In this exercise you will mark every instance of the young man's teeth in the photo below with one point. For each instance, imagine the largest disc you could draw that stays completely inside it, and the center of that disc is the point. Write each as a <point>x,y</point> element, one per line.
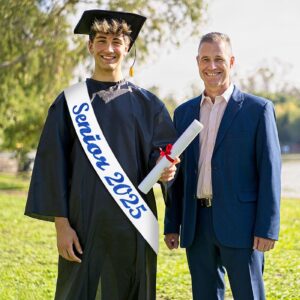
<point>108,57</point>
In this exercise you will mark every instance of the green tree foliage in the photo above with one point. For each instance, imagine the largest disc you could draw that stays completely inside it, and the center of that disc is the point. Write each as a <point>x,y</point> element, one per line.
<point>169,100</point>
<point>288,120</point>
<point>39,53</point>
<point>168,21</point>
<point>36,62</point>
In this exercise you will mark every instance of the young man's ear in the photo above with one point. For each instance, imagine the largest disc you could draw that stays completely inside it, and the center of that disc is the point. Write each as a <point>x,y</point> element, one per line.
<point>126,50</point>
<point>90,46</point>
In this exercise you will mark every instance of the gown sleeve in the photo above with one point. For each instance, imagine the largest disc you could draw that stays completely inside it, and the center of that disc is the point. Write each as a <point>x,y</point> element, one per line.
<point>164,133</point>
<point>48,191</point>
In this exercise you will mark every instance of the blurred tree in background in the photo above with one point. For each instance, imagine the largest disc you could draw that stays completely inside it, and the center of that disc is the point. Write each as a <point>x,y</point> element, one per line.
<point>39,54</point>
<point>266,82</point>
<point>36,62</point>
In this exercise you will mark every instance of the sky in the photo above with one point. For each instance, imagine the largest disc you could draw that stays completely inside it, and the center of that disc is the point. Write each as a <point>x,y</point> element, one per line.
<point>261,32</point>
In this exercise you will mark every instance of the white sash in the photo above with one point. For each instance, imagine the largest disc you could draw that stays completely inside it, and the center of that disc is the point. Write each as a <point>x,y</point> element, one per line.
<point>106,165</point>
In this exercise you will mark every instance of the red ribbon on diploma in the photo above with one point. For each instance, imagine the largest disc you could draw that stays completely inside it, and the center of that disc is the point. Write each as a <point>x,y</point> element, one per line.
<point>167,152</point>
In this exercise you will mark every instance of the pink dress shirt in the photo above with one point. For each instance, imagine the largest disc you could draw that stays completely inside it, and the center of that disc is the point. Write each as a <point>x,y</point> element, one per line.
<point>210,116</point>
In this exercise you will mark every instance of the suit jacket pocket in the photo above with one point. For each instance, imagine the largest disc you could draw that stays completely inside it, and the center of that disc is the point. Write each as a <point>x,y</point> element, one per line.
<point>248,196</point>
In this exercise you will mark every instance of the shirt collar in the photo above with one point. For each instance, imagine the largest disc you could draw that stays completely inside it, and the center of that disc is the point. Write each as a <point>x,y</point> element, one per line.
<point>226,95</point>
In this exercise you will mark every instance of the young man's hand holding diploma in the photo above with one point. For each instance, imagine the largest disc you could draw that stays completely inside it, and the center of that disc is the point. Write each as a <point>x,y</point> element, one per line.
<point>169,172</point>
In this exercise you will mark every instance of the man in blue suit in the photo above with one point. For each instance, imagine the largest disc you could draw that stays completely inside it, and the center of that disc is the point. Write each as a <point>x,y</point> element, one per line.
<point>224,202</point>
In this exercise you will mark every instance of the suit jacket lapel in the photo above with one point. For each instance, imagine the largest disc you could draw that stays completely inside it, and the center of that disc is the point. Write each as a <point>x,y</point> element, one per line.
<point>195,113</point>
<point>233,107</point>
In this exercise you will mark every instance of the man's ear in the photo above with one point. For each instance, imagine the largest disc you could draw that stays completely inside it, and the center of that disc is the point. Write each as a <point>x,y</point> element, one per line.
<point>232,60</point>
<point>197,59</point>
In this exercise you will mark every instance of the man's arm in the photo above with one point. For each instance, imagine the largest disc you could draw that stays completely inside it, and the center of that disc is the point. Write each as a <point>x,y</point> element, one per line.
<point>269,170</point>
<point>173,210</point>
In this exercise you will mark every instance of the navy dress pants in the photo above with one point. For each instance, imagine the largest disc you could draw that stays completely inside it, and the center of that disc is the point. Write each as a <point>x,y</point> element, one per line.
<point>208,260</point>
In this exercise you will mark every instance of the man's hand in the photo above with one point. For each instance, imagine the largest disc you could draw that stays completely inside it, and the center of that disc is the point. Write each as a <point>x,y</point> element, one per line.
<point>172,240</point>
<point>66,239</point>
<point>169,173</point>
<point>262,244</point>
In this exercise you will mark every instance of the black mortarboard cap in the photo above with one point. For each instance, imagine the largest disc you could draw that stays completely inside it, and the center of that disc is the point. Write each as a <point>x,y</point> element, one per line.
<point>88,17</point>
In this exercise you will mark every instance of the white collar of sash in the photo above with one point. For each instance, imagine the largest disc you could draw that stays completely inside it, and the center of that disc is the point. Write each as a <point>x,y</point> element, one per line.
<point>107,166</point>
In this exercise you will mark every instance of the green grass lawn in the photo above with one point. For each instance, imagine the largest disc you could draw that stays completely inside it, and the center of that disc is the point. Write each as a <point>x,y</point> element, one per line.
<point>28,254</point>
<point>11,182</point>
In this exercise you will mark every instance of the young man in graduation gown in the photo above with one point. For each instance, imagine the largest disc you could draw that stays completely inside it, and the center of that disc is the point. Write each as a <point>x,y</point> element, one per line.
<point>102,255</point>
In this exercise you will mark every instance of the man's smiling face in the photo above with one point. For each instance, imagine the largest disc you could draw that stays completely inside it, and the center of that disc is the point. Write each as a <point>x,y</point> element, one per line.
<point>215,62</point>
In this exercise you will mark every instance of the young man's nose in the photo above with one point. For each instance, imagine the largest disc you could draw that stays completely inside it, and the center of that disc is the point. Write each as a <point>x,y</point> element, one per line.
<point>109,47</point>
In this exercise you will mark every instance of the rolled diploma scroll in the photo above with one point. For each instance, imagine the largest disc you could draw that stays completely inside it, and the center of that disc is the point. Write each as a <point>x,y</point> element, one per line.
<point>180,145</point>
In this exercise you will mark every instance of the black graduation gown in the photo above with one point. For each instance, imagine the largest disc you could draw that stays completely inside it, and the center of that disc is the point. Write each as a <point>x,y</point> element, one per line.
<point>117,263</point>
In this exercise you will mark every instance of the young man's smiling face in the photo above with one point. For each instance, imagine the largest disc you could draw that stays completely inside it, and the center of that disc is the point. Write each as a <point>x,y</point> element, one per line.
<point>215,62</point>
<point>108,51</point>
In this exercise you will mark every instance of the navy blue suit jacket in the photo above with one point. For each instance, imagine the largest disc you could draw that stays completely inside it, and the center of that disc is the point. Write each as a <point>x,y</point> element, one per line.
<point>246,166</point>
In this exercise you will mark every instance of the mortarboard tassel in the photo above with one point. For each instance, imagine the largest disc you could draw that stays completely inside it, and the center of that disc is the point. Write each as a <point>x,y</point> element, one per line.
<point>131,70</point>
